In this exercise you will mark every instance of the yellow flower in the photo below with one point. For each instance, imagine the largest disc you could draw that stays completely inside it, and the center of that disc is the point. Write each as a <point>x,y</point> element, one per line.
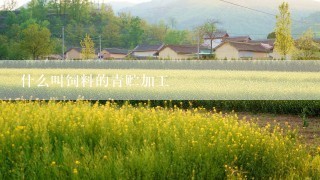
<point>77,162</point>
<point>105,157</point>
<point>53,163</point>
<point>75,171</point>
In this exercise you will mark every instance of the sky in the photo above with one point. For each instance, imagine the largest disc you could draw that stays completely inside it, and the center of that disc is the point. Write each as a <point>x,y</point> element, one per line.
<point>21,2</point>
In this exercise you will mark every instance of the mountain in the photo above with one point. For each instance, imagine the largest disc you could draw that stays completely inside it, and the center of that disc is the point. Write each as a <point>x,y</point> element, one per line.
<point>236,20</point>
<point>117,6</point>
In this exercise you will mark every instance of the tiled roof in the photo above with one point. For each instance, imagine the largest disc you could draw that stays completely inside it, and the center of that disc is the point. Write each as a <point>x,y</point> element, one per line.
<point>116,51</point>
<point>217,34</point>
<point>75,48</point>
<point>238,39</point>
<point>183,49</point>
<point>264,41</point>
<point>145,47</point>
<point>240,46</point>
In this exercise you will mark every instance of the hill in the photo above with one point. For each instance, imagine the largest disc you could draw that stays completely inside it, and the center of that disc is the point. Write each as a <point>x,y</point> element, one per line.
<point>236,20</point>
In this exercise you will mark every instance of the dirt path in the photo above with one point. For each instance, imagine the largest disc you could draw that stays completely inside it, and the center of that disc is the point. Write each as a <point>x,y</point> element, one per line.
<point>310,134</point>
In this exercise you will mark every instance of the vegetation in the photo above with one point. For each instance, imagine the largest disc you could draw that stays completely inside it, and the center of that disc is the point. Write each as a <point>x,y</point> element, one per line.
<point>78,19</point>
<point>64,140</point>
<point>307,48</point>
<point>87,45</point>
<point>284,42</point>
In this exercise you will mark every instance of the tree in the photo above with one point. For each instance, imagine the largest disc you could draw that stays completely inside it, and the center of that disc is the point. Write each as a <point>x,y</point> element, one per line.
<point>208,30</point>
<point>284,42</point>
<point>36,41</point>
<point>87,48</point>
<point>271,35</point>
<point>3,47</point>
<point>307,48</point>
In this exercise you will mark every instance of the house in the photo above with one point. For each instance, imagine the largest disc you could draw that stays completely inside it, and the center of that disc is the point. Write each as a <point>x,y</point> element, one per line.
<point>240,50</point>
<point>178,52</point>
<point>217,39</point>
<point>114,53</point>
<point>238,39</point>
<point>145,51</point>
<point>73,54</point>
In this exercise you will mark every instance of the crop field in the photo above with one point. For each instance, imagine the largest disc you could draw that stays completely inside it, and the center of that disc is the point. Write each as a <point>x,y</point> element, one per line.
<point>81,140</point>
<point>167,84</point>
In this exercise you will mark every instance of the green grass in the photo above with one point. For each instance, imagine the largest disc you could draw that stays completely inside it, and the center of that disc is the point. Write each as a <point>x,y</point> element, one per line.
<point>79,140</point>
<point>182,85</point>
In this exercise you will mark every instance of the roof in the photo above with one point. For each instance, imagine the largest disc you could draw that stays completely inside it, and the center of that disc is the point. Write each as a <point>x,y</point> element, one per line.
<point>240,46</point>
<point>145,47</point>
<point>238,39</point>
<point>183,49</point>
<point>264,41</point>
<point>78,49</point>
<point>117,51</point>
<point>217,35</point>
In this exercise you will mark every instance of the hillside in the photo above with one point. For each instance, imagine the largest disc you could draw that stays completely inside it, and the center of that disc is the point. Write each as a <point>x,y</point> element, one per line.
<point>236,20</point>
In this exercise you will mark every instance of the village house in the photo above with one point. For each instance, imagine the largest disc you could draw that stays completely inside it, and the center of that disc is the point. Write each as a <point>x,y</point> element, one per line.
<point>217,39</point>
<point>146,51</point>
<point>178,52</point>
<point>74,53</point>
<point>114,53</point>
<point>240,50</point>
<point>244,39</point>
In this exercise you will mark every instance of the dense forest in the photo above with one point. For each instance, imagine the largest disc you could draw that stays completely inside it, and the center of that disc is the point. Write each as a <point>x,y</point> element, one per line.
<point>38,29</point>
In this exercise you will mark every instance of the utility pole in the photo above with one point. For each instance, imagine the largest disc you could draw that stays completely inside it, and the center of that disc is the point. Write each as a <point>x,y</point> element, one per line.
<point>198,46</point>
<point>100,47</point>
<point>63,43</point>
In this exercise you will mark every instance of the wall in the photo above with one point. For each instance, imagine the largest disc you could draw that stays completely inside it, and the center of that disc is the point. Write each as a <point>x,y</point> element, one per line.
<point>227,51</point>
<point>145,54</point>
<point>73,54</point>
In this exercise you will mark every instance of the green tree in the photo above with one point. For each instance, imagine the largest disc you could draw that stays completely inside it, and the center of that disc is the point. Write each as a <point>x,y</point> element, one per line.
<point>87,45</point>
<point>36,41</point>
<point>4,47</point>
<point>271,35</point>
<point>307,47</point>
<point>177,37</point>
<point>208,29</point>
<point>284,43</point>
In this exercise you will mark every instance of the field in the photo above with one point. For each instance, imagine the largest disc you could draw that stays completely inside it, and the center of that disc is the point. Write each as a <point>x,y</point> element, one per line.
<point>168,84</point>
<point>80,140</point>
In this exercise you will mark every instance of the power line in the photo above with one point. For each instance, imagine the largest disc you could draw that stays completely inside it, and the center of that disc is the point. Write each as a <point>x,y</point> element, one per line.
<point>267,13</point>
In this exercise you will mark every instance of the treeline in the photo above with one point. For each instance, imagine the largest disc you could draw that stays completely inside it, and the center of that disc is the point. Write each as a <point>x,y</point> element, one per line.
<point>37,30</point>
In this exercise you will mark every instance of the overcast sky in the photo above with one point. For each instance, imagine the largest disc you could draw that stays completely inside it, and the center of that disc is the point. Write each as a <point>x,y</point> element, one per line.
<point>21,2</point>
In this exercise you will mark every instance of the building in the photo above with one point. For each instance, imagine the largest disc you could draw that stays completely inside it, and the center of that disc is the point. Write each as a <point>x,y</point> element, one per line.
<point>73,54</point>
<point>178,52</point>
<point>114,53</point>
<point>217,39</point>
<point>146,51</point>
<point>240,50</point>
<point>244,39</point>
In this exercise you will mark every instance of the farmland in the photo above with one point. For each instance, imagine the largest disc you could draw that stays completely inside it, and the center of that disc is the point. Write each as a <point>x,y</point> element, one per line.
<point>176,85</point>
<point>90,141</point>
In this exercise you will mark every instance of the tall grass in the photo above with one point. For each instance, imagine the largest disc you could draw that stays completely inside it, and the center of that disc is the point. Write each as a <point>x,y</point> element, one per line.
<point>70,140</point>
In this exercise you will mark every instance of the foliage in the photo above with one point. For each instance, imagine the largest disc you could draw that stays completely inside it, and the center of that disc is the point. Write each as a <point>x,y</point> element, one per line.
<point>307,47</point>
<point>284,42</point>
<point>271,35</point>
<point>208,29</point>
<point>81,17</point>
<point>87,45</point>
<point>36,41</point>
<point>79,140</point>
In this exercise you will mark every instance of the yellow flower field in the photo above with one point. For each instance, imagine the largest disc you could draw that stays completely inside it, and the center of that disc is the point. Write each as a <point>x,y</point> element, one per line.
<point>70,140</point>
